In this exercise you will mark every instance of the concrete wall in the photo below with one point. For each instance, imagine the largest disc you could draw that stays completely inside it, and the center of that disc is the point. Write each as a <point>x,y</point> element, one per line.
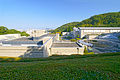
<point>46,47</point>
<point>57,37</point>
<point>31,52</point>
<point>37,33</point>
<point>45,39</point>
<point>91,36</point>
<point>67,51</point>
<point>10,36</point>
<point>84,33</point>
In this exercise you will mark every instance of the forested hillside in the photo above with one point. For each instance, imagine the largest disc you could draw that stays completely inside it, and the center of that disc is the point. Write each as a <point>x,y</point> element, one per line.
<point>67,27</point>
<point>102,20</point>
<point>5,30</point>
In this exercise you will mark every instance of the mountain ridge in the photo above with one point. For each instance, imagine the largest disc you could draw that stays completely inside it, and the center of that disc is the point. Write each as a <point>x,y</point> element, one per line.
<point>102,20</point>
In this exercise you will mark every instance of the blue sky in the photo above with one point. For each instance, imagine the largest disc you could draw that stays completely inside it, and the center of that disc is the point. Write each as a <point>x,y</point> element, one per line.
<point>41,14</point>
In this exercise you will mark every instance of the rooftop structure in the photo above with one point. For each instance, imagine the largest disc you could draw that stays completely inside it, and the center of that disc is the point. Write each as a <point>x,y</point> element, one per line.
<point>27,41</point>
<point>22,42</point>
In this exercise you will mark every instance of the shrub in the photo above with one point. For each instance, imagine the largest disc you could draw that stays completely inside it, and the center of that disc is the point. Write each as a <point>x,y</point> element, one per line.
<point>94,40</point>
<point>78,38</point>
<point>9,59</point>
<point>60,38</point>
<point>68,37</point>
<point>103,34</point>
<point>118,37</point>
<point>84,37</point>
<point>24,34</point>
<point>60,33</point>
<point>73,40</point>
<point>90,53</point>
<point>85,50</point>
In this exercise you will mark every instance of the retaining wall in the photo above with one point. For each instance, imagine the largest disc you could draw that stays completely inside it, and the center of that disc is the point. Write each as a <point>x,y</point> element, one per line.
<point>31,52</point>
<point>66,51</point>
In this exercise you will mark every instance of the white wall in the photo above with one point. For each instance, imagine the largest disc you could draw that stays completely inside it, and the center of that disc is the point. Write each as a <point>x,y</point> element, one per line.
<point>11,51</point>
<point>10,36</point>
<point>67,50</point>
<point>36,32</point>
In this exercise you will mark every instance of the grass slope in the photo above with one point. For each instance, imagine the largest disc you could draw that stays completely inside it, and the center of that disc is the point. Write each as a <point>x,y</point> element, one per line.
<point>75,67</point>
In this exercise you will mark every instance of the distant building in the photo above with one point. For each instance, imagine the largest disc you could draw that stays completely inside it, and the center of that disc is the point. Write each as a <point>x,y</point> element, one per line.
<point>65,33</point>
<point>36,32</point>
<point>92,32</point>
<point>75,32</point>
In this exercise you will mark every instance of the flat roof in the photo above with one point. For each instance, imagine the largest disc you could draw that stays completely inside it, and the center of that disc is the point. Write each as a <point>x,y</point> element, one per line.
<point>65,45</point>
<point>22,41</point>
<point>99,28</point>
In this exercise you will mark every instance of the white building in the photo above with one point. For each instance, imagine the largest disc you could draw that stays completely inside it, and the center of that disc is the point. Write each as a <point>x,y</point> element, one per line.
<point>65,33</point>
<point>92,32</point>
<point>36,32</point>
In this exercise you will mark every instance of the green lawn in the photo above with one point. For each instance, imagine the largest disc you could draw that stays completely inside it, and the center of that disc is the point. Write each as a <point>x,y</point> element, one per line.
<point>75,67</point>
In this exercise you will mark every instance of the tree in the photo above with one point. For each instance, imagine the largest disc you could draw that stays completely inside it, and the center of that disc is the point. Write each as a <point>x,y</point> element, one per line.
<point>24,34</point>
<point>5,30</point>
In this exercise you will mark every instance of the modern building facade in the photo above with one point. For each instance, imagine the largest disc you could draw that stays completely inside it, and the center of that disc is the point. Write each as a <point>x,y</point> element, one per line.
<point>35,47</point>
<point>92,32</point>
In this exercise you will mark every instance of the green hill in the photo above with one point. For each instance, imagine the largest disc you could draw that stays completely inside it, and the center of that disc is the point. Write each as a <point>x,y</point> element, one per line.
<point>74,67</point>
<point>5,30</point>
<point>103,20</point>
